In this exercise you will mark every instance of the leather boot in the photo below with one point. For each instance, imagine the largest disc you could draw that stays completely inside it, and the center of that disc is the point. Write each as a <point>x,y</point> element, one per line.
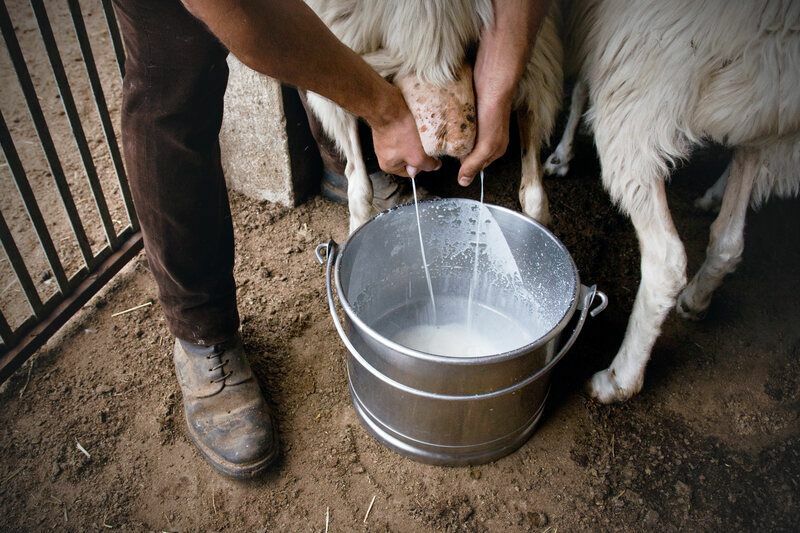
<point>388,190</point>
<point>228,419</point>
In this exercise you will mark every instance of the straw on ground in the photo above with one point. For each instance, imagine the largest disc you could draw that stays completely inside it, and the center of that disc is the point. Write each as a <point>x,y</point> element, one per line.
<point>370,508</point>
<point>82,449</point>
<point>126,311</point>
<point>28,379</point>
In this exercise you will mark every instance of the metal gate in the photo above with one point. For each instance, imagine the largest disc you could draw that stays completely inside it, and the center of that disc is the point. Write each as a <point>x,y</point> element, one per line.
<point>23,331</point>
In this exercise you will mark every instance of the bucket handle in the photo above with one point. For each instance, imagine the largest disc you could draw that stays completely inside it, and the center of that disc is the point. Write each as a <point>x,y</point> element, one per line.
<point>585,301</point>
<point>326,254</point>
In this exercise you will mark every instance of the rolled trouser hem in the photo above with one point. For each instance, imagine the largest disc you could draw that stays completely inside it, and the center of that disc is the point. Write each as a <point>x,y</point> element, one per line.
<point>205,329</point>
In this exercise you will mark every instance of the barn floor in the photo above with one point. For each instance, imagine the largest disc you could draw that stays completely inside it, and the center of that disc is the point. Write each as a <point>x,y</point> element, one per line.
<point>712,443</point>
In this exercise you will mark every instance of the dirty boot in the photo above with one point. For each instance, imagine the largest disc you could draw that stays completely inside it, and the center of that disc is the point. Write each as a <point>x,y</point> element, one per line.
<point>227,416</point>
<point>388,190</point>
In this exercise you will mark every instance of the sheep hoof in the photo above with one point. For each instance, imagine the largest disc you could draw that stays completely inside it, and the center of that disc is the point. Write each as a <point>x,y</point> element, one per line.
<point>556,166</point>
<point>538,211</point>
<point>687,311</point>
<point>605,388</point>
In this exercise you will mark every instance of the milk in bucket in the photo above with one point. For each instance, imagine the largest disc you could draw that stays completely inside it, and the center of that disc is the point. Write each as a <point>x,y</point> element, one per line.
<point>453,325</point>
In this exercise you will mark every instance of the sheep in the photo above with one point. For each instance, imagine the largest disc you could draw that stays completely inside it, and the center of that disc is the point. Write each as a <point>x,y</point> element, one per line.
<point>662,76</point>
<point>422,46</point>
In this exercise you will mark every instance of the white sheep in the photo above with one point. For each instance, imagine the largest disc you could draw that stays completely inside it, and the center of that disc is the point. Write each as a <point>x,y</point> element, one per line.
<point>662,76</point>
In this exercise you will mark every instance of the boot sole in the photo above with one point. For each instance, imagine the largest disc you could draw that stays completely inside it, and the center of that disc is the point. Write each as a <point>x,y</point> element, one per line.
<point>234,470</point>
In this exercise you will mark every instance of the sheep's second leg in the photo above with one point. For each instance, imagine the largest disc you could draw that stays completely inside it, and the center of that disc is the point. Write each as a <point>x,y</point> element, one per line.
<point>726,243</point>
<point>532,195</point>
<point>342,127</point>
<point>558,162</point>
<point>710,201</point>
<point>663,267</point>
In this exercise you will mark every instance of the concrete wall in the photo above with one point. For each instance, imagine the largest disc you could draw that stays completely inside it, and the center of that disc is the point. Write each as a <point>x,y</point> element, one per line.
<point>267,149</point>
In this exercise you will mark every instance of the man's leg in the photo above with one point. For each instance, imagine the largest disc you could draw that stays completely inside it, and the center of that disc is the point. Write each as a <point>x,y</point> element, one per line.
<point>173,92</point>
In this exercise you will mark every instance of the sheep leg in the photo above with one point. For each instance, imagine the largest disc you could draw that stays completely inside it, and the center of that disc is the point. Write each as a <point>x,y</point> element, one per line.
<point>726,243</point>
<point>558,162</point>
<point>663,267</point>
<point>710,201</point>
<point>532,195</point>
<point>342,127</point>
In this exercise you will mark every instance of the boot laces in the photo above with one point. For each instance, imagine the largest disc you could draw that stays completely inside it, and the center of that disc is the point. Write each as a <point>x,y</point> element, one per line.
<point>217,353</point>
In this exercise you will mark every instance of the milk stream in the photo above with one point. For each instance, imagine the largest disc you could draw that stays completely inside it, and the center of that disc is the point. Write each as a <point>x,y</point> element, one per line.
<point>474,279</point>
<point>422,250</point>
<point>462,328</point>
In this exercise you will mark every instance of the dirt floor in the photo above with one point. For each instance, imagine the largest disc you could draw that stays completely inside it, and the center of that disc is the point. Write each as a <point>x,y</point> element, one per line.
<point>710,444</point>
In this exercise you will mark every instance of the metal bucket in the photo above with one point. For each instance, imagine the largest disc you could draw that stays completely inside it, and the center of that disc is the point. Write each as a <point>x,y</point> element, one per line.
<point>442,409</point>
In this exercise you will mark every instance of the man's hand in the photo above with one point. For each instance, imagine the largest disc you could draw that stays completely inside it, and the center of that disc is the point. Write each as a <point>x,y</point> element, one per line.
<point>494,115</point>
<point>396,141</point>
<point>503,54</point>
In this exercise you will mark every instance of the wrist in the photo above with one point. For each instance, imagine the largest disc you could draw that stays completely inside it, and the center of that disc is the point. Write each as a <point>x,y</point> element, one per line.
<point>496,100</point>
<point>496,85</point>
<point>388,108</point>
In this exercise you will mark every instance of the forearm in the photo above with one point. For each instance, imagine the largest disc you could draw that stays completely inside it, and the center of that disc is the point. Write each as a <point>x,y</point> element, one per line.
<point>503,54</point>
<point>285,39</point>
<point>505,48</point>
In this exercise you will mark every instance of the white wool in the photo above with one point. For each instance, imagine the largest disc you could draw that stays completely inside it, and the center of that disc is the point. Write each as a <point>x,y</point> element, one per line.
<point>663,76</point>
<point>428,38</point>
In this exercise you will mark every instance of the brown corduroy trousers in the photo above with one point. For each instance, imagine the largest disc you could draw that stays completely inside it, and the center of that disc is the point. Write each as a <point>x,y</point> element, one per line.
<point>175,79</point>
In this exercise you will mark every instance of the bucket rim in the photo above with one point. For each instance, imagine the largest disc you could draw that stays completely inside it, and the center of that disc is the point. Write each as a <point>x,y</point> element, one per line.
<point>456,360</point>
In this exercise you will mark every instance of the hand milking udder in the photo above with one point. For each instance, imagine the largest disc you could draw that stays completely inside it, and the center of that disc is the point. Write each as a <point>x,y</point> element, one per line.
<point>445,115</point>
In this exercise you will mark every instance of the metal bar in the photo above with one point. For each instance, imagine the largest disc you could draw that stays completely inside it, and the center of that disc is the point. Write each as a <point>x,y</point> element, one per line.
<point>5,330</point>
<point>35,110</point>
<point>74,119</point>
<point>36,336</point>
<point>116,39</point>
<point>18,264</point>
<point>102,108</point>
<point>31,206</point>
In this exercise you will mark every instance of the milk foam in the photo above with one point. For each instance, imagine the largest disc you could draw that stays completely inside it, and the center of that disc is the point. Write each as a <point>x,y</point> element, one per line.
<point>491,333</point>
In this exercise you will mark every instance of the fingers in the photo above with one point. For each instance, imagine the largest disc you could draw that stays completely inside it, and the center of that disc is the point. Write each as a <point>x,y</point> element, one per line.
<point>491,143</point>
<point>396,168</point>
<point>480,157</point>
<point>472,164</point>
<point>398,146</point>
<point>423,162</point>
